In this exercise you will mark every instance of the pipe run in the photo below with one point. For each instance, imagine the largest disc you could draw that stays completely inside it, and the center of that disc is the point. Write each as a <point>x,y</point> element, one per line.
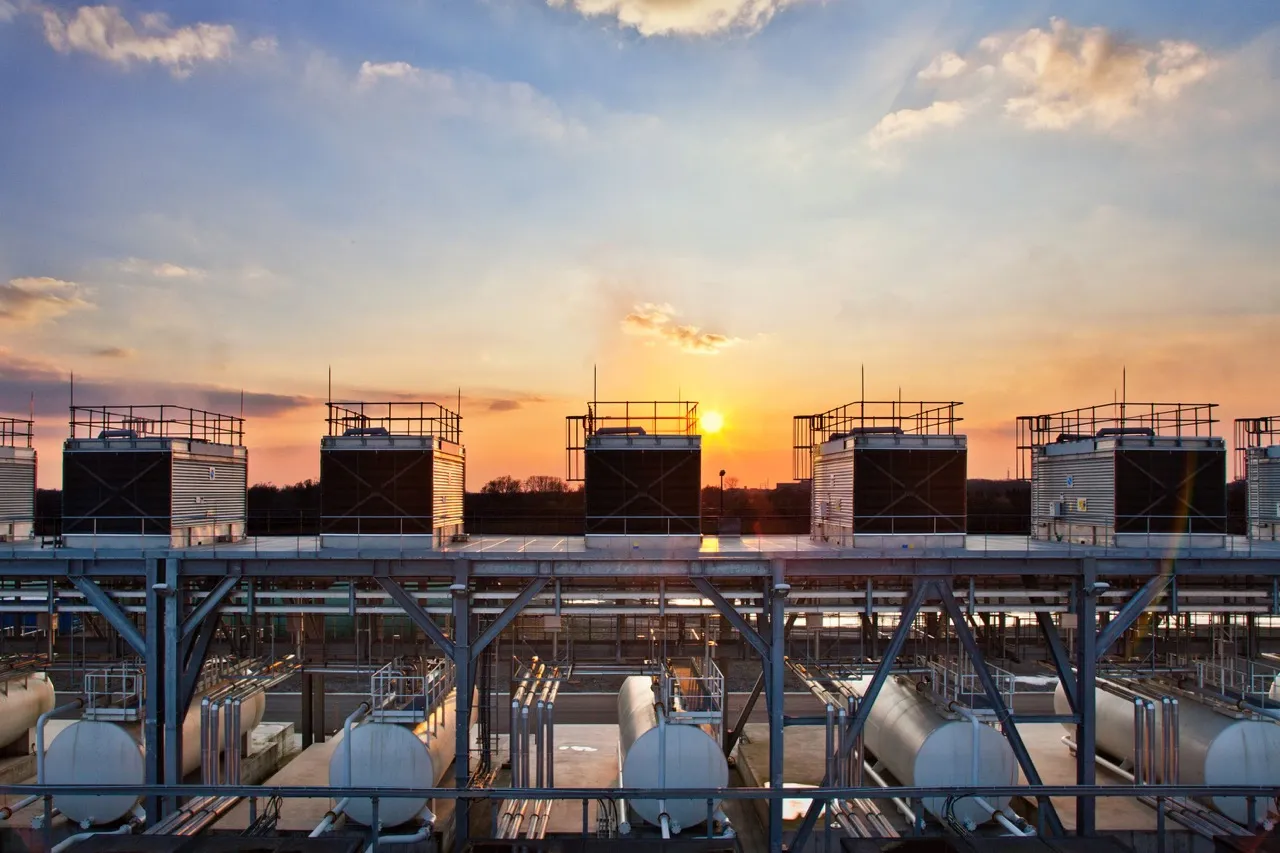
<point>428,819</point>
<point>326,823</point>
<point>44,718</point>
<point>139,816</point>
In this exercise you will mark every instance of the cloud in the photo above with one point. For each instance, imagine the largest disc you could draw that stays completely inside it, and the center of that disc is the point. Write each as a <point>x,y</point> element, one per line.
<point>27,301</point>
<point>1055,79</point>
<point>943,67</point>
<point>7,11</point>
<point>20,377</point>
<point>905,124</point>
<point>680,17</point>
<point>114,352</point>
<point>469,95</point>
<point>159,269</point>
<point>655,321</point>
<point>104,32</point>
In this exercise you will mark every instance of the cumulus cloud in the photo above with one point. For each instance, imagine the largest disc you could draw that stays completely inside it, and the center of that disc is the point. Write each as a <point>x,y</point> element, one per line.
<point>470,95</point>
<point>27,301</point>
<point>1051,79</point>
<point>680,17</point>
<point>905,124</point>
<point>104,32</point>
<point>656,321</point>
<point>943,67</point>
<point>159,269</point>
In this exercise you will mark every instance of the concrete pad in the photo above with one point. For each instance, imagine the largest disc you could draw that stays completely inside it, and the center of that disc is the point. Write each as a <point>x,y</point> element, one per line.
<point>586,756</point>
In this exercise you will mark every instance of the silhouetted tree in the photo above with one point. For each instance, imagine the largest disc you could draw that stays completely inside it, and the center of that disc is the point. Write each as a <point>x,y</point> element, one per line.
<point>504,485</point>
<point>546,483</point>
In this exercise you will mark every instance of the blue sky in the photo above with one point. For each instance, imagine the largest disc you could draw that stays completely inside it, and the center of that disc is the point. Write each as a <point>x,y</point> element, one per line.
<point>738,200</point>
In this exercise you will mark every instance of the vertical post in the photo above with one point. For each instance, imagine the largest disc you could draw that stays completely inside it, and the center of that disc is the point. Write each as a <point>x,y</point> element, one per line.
<point>777,670</point>
<point>153,705</point>
<point>174,713</point>
<point>1086,700</point>
<point>462,662</point>
<point>320,729</point>
<point>308,697</point>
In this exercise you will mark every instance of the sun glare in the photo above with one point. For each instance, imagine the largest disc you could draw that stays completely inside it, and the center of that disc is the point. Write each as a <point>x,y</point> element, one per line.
<point>712,422</point>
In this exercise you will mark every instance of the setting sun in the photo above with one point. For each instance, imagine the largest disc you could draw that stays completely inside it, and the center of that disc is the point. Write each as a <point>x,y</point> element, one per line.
<point>712,422</point>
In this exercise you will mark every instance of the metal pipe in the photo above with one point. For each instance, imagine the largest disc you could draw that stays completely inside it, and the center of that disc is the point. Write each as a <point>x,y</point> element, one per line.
<point>204,740</point>
<point>329,817</point>
<point>1139,740</point>
<point>973,719</point>
<point>76,839</point>
<point>215,747</point>
<point>229,735</point>
<point>423,833</point>
<point>361,709</point>
<point>551,738</point>
<point>40,722</point>
<point>1177,742</point>
<point>1166,732</point>
<point>902,805</point>
<point>1151,742</point>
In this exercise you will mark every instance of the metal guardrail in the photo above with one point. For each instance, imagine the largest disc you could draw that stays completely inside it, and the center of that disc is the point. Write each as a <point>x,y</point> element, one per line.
<point>409,690</point>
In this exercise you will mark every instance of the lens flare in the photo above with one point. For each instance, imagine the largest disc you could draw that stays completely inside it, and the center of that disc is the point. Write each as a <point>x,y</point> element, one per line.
<point>712,422</point>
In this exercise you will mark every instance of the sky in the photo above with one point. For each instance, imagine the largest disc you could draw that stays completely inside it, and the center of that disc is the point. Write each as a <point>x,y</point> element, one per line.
<point>739,202</point>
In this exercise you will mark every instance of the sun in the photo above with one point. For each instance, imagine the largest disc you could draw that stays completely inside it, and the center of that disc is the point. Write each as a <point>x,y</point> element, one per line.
<point>712,422</point>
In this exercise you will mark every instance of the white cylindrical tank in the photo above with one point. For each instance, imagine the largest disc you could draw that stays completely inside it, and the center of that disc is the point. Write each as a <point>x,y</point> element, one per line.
<point>105,753</point>
<point>21,704</point>
<point>922,747</point>
<point>387,755</point>
<point>693,758</point>
<point>1213,748</point>
<point>97,753</point>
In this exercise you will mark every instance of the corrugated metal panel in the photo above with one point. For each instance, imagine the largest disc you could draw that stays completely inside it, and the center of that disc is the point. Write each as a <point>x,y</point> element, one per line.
<point>208,489</point>
<point>17,489</point>
<point>1071,478</point>
<point>832,491</point>
<point>1263,473</point>
<point>448,488</point>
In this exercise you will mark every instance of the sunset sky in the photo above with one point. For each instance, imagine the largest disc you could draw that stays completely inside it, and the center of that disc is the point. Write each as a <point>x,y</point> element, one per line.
<point>735,201</point>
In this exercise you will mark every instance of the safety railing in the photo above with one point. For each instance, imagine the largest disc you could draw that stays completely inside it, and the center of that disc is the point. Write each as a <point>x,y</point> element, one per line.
<point>15,432</point>
<point>114,694</point>
<point>408,690</point>
<point>164,421</point>
<point>366,419</point>
<point>955,679</point>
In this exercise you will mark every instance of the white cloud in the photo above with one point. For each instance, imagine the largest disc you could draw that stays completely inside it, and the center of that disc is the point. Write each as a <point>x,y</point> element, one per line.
<point>471,95</point>
<point>943,67</point>
<point>680,17</point>
<point>7,11</point>
<point>654,320</point>
<point>159,269</point>
<point>104,32</point>
<point>905,124</point>
<point>26,301</point>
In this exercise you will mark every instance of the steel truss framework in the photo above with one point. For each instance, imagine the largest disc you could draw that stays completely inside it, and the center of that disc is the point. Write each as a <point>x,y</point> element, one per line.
<point>181,598</point>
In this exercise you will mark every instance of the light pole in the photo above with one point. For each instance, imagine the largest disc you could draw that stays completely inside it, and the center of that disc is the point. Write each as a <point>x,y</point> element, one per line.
<point>722,493</point>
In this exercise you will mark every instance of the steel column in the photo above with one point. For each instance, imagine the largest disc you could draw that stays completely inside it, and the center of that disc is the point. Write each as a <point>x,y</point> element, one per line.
<point>419,616</point>
<point>859,718</point>
<point>510,612</point>
<point>1010,728</point>
<point>174,713</point>
<point>777,671</point>
<point>463,681</point>
<point>1086,699</point>
<point>1133,608</point>
<point>153,716</point>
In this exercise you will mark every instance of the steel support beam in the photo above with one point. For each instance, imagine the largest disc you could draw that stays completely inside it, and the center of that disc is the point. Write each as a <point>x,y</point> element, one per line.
<point>208,605</point>
<point>777,671</point>
<point>174,713</point>
<point>1124,619</point>
<point>463,680</point>
<point>1058,654</point>
<point>731,613</point>
<point>195,650</point>
<point>734,734</point>
<point>855,725</point>
<point>961,626</point>
<point>153,717</point>
<point>116,618</point>
<point>509,613</point>
<point>419,616</point>
<point>1086,696</point>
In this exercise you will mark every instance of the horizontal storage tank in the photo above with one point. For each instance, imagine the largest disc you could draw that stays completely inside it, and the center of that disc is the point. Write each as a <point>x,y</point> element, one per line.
<point>693,758</point>
<point>922,747</point>
<point>105,753</point>
<point>1214,748</point>
<point>22,701</point>
<point>388,755</point>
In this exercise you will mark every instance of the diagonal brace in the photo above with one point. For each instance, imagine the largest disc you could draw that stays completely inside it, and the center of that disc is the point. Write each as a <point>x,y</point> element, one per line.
<point>728,611</point>
<point>997,702</point>
<point>855,725</point>
<point>1058,654</point>
<point>208,605</point>
<point>195,650</point>
<point>419,616</point>
<point>117,618</point>
<point>510,612</point>
<point>1132,609</point>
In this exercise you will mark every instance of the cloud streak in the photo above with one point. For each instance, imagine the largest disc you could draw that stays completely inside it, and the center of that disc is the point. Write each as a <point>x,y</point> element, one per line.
<point>159,269</point>
<point>104,32</point>
<point>655,321</point>
<point>28,301</point>
<point>680,17</point>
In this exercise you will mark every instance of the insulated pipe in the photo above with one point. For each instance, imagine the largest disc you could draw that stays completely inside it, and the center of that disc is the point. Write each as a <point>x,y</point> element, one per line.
<point>1151,742</point>
<point>76,839</point>
<point>1139,741</point>
<point>975,722</point>
<point>1177,742</point>
<point>215,749</point>
<point>329,817</point>
<point>423,833</point>
<point>362,709</point>
<point>40,721</point>
<point>1166,747</point>
<point>551,738</point>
